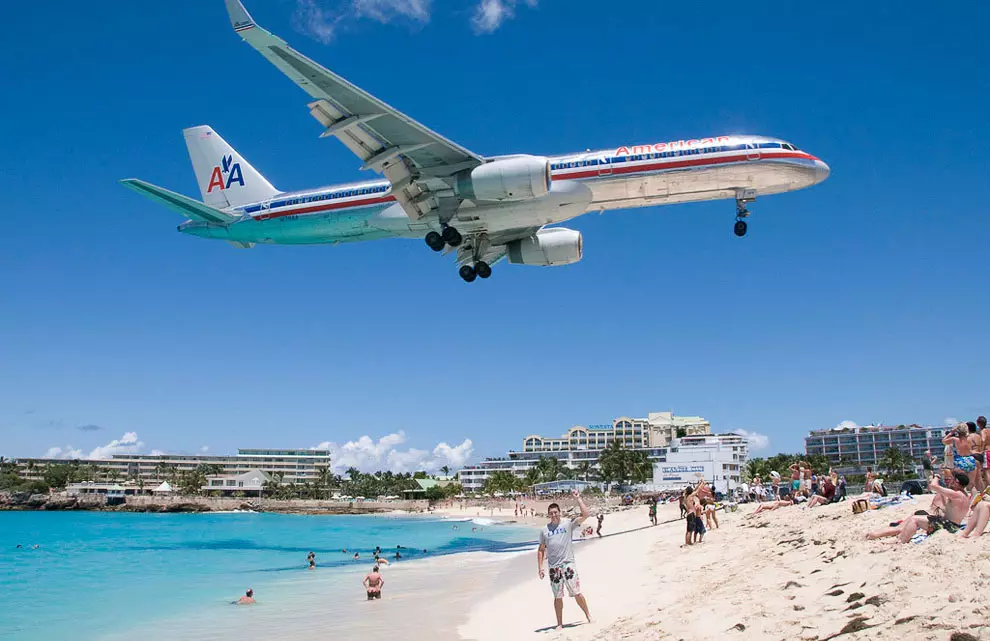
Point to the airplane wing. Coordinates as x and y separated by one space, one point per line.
415 159
177 202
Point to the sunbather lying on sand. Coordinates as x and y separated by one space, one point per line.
771 505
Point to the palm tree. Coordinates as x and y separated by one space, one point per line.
446 470
583 470
532 477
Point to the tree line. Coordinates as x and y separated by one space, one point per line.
616 465
894 462
190 482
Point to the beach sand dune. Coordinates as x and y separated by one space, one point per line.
789 574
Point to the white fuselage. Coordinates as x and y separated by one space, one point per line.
724 167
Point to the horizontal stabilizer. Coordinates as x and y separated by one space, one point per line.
177 202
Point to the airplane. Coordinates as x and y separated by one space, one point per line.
485 209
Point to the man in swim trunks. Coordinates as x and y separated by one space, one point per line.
557 549
950 503
979 455
373 583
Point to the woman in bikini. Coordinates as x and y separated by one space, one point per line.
962 452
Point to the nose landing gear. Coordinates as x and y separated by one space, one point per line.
743 198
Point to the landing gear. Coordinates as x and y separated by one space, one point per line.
468 273
743 198
482 269
435 241
451 236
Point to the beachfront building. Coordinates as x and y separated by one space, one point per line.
111 490
294 466
657 430
425 484
859 446
719 459
237 484
658 435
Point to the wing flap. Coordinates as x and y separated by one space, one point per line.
177 202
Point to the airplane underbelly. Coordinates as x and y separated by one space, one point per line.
567 199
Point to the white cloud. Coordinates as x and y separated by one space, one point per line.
756 440
385 11
490 14
157 452
204 449
321 20
951 421
369 455
846 425
126 444
68 452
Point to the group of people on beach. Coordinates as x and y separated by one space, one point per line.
698 508
961 488
961 485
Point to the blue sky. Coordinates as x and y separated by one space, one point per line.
863 299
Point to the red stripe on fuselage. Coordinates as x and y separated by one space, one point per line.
325 207
616 170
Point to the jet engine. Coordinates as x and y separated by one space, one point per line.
547 248
508 179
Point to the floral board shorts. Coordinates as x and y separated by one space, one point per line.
565 576
965 463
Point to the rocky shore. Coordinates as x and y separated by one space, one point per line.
61 501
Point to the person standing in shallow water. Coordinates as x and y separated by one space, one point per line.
557 549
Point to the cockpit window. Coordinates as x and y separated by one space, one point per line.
789 146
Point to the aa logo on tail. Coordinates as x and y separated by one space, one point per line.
228 168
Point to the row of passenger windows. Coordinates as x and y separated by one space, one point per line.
694 151
346 193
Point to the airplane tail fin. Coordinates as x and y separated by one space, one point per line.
225 178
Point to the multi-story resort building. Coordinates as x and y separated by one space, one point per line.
294 466
866 445
660 435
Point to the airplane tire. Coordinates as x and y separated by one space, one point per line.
451 236
467 273
434 241
483 269
740 228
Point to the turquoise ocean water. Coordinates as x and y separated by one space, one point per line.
97 575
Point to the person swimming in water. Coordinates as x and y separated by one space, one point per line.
373 584
357 556
247 599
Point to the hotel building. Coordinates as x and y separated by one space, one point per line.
657 435
295 466
866 445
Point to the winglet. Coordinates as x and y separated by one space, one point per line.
239 17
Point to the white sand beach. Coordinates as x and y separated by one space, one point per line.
789 574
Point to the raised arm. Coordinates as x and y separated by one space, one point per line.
945 492
585 513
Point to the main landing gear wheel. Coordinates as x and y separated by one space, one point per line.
468 273
435 241
482 269
451 236
740 228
